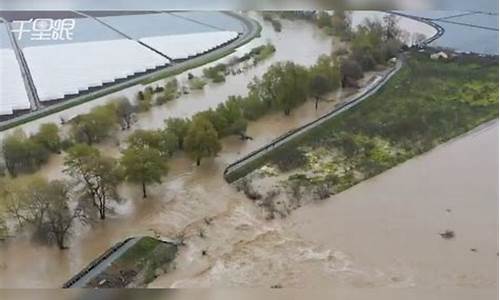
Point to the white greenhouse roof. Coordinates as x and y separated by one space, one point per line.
13 94
65 69
182 46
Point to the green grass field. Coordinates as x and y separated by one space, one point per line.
427 103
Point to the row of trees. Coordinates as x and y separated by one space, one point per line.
371 43
282 87
49 209
24 153
374 42
158 95
101 121
338 24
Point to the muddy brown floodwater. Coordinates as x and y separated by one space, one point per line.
241 247
188 194
382 233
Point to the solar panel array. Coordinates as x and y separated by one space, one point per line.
155 24
183 46
13 94
66 69
214 19
99 55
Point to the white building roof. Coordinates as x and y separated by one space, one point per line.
64 69
182 46
13 94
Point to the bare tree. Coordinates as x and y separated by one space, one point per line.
43 206
99 175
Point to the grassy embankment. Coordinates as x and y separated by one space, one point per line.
138 266
427 103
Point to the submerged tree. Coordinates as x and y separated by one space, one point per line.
318 86
95 126
98 174
22 153
161 140
124 112
178 127
231 113
48 136
285 85
143 165
44 206
201 140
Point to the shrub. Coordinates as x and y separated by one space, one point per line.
289 159
197 83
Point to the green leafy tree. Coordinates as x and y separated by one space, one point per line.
141 138
324 76
327 67
253 108
284 86
143 165
48 136
257 90
168 143
95 126
318 86
178 127
374 42
231 113
22 154
161 140
98 174
294 87
201 140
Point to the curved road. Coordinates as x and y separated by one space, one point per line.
237 169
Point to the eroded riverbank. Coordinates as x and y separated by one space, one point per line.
383 232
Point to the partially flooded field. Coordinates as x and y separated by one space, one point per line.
427 103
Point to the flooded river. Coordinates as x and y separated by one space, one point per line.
244 249
188 194
382 233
